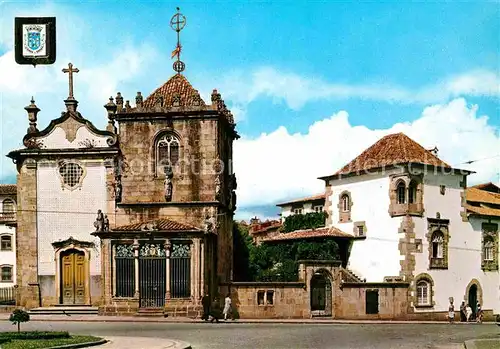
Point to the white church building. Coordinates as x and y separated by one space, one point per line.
413 219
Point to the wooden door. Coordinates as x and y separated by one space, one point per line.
73 277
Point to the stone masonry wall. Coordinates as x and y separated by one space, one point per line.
26 243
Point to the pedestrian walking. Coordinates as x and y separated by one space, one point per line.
479 313
205 301
468 312
451 312
463 317
227 306
215 310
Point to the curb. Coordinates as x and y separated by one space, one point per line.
258 321
80 345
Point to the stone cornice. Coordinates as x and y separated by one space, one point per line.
148 234
171 203
76 152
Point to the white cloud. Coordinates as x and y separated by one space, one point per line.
280 165
296 90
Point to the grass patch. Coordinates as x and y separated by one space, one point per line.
487 344
47 343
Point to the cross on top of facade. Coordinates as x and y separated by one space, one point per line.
70 70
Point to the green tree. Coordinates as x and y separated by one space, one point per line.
242 243
19 316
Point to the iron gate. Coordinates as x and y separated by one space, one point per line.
152 275
180 270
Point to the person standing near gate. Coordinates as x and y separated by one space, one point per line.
205 301
227 306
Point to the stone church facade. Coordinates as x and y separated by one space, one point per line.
134 218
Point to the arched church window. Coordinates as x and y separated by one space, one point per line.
437 245
401 192
167 151
423 293
71 174
344 202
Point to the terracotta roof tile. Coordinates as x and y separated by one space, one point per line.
8 189
176 85
473 194
265 227
393 149
488 187
309 233
483 211
306 199
158 224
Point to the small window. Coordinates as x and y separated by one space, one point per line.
488 250
71 174
7 274
6 243
297 211
442 189
371 302
418 245
412 192
423 293
344 201
8 206
361 230
270 297
318 208
400 191
260 297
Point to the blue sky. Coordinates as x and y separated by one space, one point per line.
365 68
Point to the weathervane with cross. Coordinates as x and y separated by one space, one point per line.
177 23
70 70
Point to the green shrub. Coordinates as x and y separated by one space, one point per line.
310 220
33 335
498 317
19 316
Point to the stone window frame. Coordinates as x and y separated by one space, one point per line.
262 295
79 183
158 168
10 249
413 200
345 214
297 210
489 235
5 266
8 203
436 225
356 226
318 208
424 277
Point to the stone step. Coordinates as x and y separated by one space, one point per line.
64 310
151 312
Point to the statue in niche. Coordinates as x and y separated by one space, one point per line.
218 187
210 225
168 183
106 223
118 189
99 222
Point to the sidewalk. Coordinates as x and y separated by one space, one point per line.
97 318
143 343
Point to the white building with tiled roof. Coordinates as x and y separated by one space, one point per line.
412 218
8 203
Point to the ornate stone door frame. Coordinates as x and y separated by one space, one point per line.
66 245
326 275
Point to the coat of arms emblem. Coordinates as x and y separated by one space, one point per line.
34 40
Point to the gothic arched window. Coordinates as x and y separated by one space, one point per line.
345 203
167 151
437 245
401 192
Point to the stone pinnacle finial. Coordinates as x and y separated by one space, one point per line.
111 109
32 110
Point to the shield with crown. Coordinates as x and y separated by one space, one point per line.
34 38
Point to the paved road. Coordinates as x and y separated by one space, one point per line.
283 336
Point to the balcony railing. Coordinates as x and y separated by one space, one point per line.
7 217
